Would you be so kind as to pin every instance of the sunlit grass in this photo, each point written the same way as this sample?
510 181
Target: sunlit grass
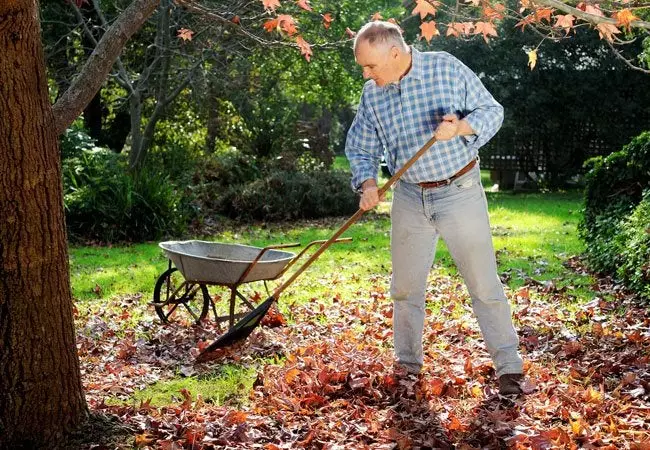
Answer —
229 384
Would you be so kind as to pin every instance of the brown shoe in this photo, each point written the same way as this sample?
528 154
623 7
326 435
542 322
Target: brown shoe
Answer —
510 383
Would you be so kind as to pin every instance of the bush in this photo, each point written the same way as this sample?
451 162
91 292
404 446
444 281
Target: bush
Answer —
616 215
104 202
290 195
615 183
634 243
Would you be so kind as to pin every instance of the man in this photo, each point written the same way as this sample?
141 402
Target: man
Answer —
410 96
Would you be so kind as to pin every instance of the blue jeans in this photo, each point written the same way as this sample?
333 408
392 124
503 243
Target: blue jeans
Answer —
457 213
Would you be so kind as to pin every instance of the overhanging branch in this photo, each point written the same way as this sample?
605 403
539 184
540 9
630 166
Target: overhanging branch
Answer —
592 18
99 64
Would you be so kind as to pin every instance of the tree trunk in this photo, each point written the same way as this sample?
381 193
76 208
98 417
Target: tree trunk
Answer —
41 395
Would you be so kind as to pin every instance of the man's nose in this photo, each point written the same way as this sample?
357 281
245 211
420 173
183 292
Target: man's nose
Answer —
366 73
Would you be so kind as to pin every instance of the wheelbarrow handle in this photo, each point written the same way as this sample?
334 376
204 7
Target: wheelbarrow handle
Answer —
259 256
299 255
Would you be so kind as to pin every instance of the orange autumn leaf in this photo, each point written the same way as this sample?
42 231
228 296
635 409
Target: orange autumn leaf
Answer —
543 13
454 423
423 8
459 28
592 396
351 34
486 29
142 440
185 34
305 48
271 4
428 30
271 25
590 9
624 17
565 21
607 31
327 20
287 24
437 386
236 20
376 16
304 4
236 418
493 13
291 373
528 20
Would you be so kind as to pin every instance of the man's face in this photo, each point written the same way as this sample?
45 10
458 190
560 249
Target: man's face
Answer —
379 62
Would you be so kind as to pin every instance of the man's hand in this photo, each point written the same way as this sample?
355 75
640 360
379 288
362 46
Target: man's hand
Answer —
448 128
451 126
370 196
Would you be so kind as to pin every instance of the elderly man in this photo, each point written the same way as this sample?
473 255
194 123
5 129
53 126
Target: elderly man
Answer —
411 95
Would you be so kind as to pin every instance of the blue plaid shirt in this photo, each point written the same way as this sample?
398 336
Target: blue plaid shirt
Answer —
400 118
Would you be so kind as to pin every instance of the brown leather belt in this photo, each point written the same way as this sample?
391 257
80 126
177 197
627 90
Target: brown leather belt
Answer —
435 184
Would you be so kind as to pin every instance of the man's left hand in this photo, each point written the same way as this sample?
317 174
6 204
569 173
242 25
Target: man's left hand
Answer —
448 128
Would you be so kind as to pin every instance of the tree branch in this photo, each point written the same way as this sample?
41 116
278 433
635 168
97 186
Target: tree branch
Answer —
100 63
592 18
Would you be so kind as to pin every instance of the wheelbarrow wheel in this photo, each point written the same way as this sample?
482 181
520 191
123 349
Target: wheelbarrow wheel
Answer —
177 296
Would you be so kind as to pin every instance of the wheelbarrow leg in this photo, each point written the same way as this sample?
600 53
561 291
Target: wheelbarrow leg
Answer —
233 292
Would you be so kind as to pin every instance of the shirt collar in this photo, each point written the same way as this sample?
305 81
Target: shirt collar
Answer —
414 74
416 65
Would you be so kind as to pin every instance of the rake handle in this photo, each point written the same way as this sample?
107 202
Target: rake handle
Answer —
352 219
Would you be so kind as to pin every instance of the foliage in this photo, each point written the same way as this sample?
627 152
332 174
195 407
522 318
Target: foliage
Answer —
291 195
74 141
619 178
614 189
105 202
634 243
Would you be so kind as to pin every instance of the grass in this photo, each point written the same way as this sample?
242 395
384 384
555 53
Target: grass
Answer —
533 234
230 384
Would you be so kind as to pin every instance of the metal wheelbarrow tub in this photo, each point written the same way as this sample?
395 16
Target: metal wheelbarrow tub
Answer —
224 264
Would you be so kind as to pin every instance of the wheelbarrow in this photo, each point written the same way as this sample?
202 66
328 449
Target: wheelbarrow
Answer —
194 265
242 329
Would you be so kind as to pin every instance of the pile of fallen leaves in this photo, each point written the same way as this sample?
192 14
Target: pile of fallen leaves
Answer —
589 372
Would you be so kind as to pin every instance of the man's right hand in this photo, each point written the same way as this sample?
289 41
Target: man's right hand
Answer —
370 196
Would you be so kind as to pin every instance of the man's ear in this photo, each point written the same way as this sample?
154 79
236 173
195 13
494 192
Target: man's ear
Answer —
394 52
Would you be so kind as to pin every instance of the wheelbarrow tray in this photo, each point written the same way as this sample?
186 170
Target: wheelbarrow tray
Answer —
224 264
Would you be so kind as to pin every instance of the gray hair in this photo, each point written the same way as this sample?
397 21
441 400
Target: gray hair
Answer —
381 32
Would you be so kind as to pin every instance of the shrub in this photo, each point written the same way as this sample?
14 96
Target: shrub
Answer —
634 243
615 183
290 195
104 202
616 220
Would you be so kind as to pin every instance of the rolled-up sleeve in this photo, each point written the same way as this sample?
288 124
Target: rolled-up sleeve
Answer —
363 147
483 113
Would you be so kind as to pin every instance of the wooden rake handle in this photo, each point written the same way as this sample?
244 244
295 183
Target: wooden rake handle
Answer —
353 219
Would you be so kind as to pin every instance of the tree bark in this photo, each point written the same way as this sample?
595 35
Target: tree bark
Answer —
41 395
